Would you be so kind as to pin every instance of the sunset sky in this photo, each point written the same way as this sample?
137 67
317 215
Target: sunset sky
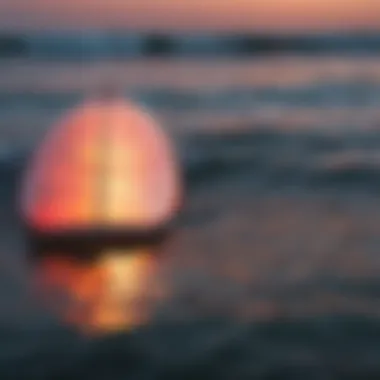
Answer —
266 15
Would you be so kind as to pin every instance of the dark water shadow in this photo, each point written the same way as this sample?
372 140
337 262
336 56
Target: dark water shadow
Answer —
328 347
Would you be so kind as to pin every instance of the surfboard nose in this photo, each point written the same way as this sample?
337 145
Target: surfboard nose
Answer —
105 171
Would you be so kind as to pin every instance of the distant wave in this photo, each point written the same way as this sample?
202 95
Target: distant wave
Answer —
98 45
331 94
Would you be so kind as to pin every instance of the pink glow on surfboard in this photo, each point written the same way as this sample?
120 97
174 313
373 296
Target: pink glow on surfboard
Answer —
106 164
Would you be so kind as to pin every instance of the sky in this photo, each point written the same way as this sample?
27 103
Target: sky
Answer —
184 15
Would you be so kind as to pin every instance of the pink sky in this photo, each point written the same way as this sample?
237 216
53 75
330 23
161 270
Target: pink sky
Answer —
192 14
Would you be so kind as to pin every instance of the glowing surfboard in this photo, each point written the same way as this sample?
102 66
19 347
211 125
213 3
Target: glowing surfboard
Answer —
105 171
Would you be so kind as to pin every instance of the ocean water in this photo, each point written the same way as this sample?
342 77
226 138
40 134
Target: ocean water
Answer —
273 270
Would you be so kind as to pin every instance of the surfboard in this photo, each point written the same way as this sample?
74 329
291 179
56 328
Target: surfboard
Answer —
105 170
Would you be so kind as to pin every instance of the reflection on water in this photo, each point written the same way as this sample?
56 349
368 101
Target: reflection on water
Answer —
107 293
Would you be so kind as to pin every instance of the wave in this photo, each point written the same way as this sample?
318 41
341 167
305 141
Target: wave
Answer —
313 95
274 160
101 44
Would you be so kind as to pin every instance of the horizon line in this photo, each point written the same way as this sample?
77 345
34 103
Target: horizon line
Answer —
190 31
